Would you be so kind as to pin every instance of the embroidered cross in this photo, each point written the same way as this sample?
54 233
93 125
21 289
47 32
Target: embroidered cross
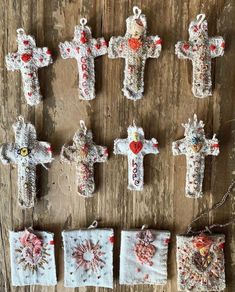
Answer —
200 49
28 59
135 147
84 49
85 153
195 147
135 47
26 152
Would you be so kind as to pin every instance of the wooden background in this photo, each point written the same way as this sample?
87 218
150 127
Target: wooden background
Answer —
167 103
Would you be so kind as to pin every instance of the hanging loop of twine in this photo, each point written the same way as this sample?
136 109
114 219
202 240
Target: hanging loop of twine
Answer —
21 119
83 21
214 207
94 224
136 11
145 226
83 126
200 18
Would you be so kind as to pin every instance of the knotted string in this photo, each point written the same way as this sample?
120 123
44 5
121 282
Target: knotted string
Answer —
214 207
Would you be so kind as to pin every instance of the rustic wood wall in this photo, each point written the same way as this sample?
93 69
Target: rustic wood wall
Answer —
167 103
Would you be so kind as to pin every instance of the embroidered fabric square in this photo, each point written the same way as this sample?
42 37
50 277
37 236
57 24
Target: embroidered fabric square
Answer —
200 263
32 258
88 258
143 258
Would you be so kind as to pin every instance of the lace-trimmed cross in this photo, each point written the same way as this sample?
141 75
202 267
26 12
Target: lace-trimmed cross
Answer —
84 153
135 47
135 147
195 147
84 49
26 152
200 49
28 59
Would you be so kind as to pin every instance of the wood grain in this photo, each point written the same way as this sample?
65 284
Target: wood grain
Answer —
167 103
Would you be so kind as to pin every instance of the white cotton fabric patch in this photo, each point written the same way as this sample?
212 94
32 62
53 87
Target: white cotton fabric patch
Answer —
84 48
23 273
141 262
28 59
135 47
135 147
195 146
200 263
200 49
88 258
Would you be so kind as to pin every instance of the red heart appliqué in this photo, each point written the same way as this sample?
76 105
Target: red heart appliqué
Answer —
136 146
26 57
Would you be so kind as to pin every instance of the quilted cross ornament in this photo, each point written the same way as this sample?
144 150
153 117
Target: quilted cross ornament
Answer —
200 262
84 153
200 49
195 146
26 152
88 257
135 147
143 258
28 59
84 48
135 47
32 258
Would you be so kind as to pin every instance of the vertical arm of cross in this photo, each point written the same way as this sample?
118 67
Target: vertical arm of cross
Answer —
150 146
179 147
212 146
116 47
101 153
184 50
68 50
217 45
98 47
42 57
154 46
13 61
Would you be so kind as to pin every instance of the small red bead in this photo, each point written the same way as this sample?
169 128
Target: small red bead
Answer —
26 42
186 47
48 52
49 149
223 45
68 50
97 46
83 40
215 145
159 42
26 57
29 93
212 47
111 239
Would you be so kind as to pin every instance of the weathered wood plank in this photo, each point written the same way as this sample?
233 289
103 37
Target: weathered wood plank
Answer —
167 103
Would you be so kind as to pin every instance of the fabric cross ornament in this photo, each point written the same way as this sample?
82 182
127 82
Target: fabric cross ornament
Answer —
200 49
135 47
195 146
28 59
88 257
143 258
84 48
32 258
84 153
135 147
26 152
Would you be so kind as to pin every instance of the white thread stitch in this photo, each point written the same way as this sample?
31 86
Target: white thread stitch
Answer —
195 147
135 147
26 152
84 152
135 47
143 257
28 59
200 262
200 49
84 49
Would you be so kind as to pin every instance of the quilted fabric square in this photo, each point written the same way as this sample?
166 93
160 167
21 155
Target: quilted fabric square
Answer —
143 258
32 258
88 258
200 263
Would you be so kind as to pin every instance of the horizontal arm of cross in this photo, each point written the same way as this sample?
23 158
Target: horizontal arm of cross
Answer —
154 46
8 153
13 61
42 57
68 50
184 50
121 146
150 146
98 47
116 47
212 146
102 153
179 147
217 45
42 153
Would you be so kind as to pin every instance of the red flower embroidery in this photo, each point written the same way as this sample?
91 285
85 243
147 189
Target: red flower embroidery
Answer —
202 243
88 256
134 44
